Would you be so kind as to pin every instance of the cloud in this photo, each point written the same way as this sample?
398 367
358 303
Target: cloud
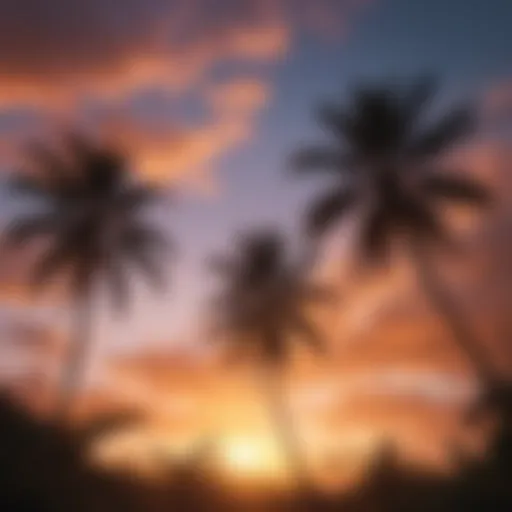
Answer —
239 97
164 148
58 51
167 151
58 58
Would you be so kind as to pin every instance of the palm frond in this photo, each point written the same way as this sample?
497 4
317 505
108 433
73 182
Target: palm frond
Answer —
421 222
450 130
57 258
261 291
102 169
376 234
23 184
334 119
385 129
457 189
140 196
25 229
305 329
418 97
329 209
319 158
377 126
148 265
223 266
312 293
138 236
262 254
92 202
107 170
52 168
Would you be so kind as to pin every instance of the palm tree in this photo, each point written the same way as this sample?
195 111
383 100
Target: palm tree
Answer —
261 304
384 155
93 230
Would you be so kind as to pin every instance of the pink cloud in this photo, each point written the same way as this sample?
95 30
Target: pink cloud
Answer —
58 52
55 54
173 151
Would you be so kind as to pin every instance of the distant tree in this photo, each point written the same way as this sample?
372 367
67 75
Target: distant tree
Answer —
384 155
93 230
261 306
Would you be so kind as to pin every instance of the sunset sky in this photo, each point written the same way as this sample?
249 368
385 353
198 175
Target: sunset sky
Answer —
209 97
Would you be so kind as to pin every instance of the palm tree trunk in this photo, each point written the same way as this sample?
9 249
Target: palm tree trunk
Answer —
284 426
448 311
76 359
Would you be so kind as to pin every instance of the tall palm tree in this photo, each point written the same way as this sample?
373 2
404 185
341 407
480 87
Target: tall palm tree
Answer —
93 229
261 305
384 154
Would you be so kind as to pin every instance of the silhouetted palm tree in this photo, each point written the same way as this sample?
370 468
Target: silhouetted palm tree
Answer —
384 154
93 229
261 306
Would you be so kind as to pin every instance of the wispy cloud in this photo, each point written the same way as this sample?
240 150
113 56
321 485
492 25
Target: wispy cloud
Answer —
59 58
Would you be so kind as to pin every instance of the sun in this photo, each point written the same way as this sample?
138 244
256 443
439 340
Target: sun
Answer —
248 457
243 455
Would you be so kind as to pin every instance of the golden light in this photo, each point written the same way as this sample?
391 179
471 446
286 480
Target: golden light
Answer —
243 455
250 457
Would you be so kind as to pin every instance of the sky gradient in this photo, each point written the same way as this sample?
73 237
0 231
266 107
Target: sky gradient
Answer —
209 98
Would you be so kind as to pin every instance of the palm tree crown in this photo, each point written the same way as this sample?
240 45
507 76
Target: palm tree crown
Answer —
92 220
385 154
264 297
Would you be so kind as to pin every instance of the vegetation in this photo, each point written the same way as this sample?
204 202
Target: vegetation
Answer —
385 155
70 482
386 158
93 229
262 306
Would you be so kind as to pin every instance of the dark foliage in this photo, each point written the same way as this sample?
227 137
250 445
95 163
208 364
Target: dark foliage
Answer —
265 297
384 152
44 468
92 222
93 232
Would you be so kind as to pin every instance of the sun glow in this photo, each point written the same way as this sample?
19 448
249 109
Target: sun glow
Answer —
243 455
247 457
